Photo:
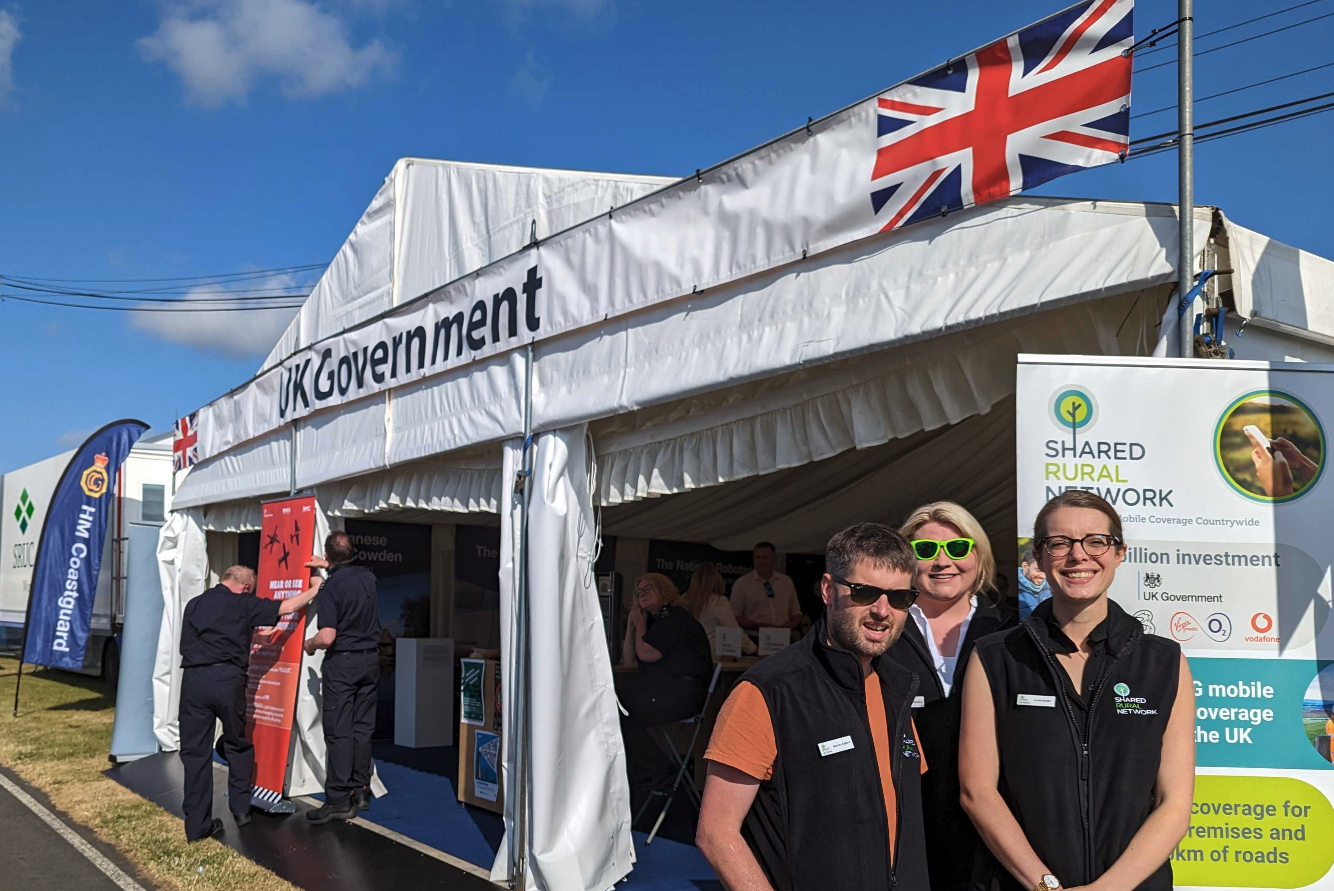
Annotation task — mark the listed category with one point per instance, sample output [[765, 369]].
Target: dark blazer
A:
[[956, 856]]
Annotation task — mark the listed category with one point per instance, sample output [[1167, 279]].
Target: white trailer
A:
[[142, 498]]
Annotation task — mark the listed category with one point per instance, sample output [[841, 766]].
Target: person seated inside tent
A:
[[706, 599], [671, 651]]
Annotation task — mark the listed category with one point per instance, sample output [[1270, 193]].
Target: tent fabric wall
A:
[[432, 221], [970, 269], [1279, 283], [579, 801], [183, 569], [260, 467], [776, 424], [447, 486], [798, 509]]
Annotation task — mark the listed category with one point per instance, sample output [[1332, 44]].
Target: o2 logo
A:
[[1218, 626]]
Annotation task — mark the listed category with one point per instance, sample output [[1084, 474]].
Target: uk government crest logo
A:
[[94, 481]]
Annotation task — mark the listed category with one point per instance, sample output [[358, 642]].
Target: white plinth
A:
[[424, 692]]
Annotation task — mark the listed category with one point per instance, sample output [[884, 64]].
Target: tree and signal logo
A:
[[1073, 409]]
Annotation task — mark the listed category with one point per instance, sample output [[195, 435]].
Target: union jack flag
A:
[[1047, 101], [185, 442]]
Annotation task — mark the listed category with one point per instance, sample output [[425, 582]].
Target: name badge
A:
[[1034, 699], [918, 701], [834, 746]]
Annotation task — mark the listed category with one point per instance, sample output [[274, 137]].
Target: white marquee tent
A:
[[727, 358]]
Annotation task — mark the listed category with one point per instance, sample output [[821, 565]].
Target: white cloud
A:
[[245, 333], [72, 439], [584, 9], [532, 79], [222, 48], [10, 35]]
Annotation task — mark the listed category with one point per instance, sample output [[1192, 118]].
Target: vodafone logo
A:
[[1184, 627], [1262, 623]]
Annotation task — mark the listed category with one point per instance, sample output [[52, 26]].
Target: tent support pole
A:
[[1186, 172], [519, 852], [291, 467]]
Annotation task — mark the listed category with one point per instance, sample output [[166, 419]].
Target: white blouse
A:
[[718, 611], [944, 664]]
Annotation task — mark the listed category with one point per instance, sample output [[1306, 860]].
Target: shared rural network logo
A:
[[1131, 705], [94, 480], [1073, 410], [23, 511]]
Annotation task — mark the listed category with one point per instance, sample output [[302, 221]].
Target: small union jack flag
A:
[[185, 442], [1049, 100]]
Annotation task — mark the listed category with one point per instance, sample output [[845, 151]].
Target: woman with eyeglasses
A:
[[1077, 751], [954, 609], [672, 653]]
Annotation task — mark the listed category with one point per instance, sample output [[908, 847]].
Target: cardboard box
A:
[[480, 712]]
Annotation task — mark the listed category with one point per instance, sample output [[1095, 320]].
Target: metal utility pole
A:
[[1186, 169]]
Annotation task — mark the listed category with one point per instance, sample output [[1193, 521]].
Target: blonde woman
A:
[[671, 651], [706, 599], [956, 574]]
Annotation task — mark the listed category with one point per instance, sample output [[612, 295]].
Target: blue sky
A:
[[191, 137]]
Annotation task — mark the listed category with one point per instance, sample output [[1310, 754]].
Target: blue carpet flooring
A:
[[422, 804]]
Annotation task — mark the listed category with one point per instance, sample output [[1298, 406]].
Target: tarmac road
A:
[[34, 856]]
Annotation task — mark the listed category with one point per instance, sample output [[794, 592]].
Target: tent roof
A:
[[432, 221]]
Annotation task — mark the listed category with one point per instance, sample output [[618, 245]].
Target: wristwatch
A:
[[1048, 882]]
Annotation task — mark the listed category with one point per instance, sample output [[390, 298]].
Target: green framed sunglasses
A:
[[955, 548]]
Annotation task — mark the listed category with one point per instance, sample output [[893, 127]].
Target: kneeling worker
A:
[[215, 658]]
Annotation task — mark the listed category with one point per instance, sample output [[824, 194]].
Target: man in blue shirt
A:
[[1033, 587]]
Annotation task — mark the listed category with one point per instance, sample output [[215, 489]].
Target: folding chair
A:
[[681, 761]]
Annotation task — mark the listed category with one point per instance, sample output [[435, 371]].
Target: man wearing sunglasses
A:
[[814, 775]]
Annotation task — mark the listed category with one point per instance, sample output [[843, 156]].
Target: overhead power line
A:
[[1228, 120], [1238, 130], [252, 273], [1238, 42], [1207, 34], [182, 306], [226, 296], [1242, 89]]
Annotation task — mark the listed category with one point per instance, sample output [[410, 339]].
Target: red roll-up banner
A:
[[286, 542]]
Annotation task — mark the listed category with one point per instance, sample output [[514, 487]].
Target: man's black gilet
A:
[[820, 823], [1079, 782]]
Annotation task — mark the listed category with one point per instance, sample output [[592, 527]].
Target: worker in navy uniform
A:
[[215, 658], [350, 632]]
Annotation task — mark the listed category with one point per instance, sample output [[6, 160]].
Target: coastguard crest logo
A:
[[94, 481]]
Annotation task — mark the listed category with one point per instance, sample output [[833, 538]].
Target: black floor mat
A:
[[332, 857]]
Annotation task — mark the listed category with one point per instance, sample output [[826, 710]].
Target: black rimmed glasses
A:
[[1094, 545], [865, 595]]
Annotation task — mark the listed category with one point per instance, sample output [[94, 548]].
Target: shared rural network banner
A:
[[286, 542], [69, 552], [1218, 470]]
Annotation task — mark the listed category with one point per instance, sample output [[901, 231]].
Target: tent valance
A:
[[776, 424]]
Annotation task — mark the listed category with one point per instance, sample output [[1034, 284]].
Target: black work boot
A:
[[361, 799], [329, 811]]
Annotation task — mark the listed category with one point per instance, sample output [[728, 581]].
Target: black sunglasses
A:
[[865, 595]]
